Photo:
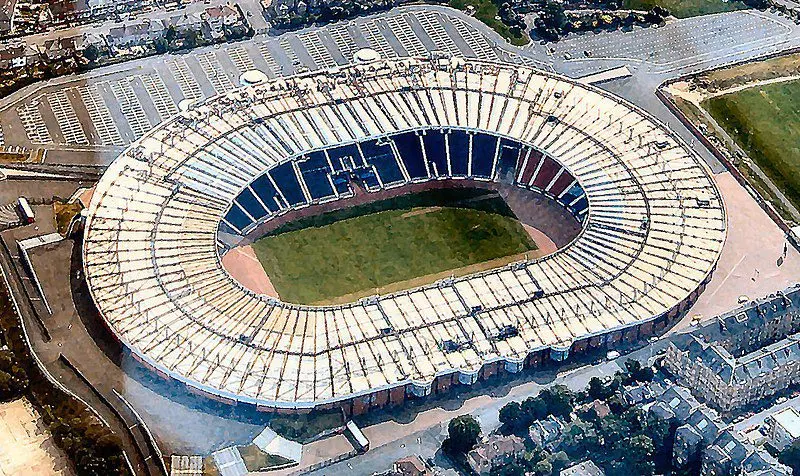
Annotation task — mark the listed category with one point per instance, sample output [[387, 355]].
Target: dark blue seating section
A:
[[237, 218], [248, 201], [345, 157], [315, 171], [287, 183], [410, 150], [574, 192], [380, 156], [580, 206], [507, 157], [375, 163], [458, 141], [267, 193], [436, 153], [484, 147]]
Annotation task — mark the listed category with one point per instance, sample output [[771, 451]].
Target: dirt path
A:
[[544, 244], [697, 95], [420, 211]]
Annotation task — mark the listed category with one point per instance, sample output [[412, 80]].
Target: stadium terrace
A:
[[652, 228]]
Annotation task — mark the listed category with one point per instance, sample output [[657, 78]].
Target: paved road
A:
[[426, 442], [759, 417], [122, 422]]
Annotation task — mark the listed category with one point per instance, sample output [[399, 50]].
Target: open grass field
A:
[[360, 254], [686, 8], [765, 122]]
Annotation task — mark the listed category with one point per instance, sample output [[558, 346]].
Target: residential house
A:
[[676, 403], [783, 428], [700, 430], [547, 433], [643, 393], [587, 468], [729, 455], [494, 452], [411, 466], [749, 354]]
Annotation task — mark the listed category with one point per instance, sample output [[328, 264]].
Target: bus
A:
[[25, 210]]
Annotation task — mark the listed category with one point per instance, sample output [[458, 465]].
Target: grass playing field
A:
[[686, 8], [360, 255], [765, 122]]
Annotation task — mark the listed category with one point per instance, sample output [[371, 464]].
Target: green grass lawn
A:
[[686, 8], [360, 254], [486, 11], [765, 122]]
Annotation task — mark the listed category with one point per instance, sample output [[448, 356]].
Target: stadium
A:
[[647, 228]]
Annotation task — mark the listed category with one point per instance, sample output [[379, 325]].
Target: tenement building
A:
[[747, 354]]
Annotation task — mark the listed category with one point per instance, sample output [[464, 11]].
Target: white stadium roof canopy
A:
[[653, 233]]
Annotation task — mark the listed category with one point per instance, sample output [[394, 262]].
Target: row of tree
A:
[[623, 442], [13, 378], [554, 21]]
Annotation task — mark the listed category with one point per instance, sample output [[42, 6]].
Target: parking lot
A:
[[116, 105], [704, 42]]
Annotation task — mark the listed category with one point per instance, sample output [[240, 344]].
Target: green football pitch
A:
[[387, 251], [765, 122]]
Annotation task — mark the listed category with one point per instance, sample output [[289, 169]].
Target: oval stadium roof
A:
[[653, 232]]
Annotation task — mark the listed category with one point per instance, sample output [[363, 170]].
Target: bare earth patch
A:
[[26, 447], [242, 264], [543, 242]]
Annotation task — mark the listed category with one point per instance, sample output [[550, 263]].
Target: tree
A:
[[170, 34], [512, 417], [662, 433], [638, 454], [543, 467], [161, 45], [559, 461], [463, 433], [553, 15], [559, 400], [91, 53], [598, 390], [790, 456], [534, 408], [637, 372]]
